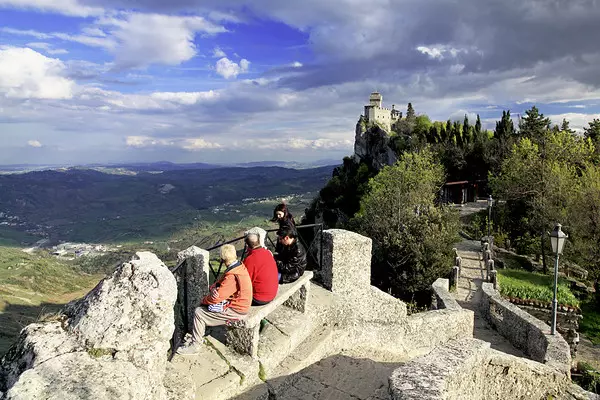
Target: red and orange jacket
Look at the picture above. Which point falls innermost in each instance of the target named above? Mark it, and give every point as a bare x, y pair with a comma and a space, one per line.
234, 286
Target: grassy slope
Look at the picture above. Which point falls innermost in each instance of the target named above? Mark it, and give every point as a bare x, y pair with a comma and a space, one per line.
528, 285
32, 285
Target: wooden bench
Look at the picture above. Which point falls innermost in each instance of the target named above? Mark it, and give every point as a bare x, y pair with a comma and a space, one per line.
243, 335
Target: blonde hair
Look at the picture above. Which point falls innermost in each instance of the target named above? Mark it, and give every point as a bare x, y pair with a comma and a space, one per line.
228, 253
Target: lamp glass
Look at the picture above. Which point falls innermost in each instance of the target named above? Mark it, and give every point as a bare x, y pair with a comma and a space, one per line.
557, 239
490, 201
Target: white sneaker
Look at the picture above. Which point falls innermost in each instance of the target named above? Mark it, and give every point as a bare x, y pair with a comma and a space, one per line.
190, 349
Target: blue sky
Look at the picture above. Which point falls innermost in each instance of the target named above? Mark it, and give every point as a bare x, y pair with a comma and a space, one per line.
85, 81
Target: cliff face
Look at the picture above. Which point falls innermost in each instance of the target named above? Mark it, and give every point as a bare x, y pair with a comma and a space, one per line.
372, 145
111, 344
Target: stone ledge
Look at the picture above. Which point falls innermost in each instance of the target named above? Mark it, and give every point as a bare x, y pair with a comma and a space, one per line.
285, 291
524, 331
444, 300
468, 368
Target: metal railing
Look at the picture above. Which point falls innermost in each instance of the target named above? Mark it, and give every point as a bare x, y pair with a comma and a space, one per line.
181, 272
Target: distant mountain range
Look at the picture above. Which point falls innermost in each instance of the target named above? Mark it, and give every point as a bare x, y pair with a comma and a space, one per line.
163, 166
96, 203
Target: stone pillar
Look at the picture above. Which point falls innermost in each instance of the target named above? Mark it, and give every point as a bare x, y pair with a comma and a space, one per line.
454, 277
197, 278
494, 279
487, 255
346, 267
262, 234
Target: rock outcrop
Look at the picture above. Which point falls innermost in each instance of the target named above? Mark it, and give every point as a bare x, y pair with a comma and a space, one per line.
111, 344
372, 145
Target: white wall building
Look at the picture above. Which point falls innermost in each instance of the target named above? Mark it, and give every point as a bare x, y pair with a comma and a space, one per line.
374, 112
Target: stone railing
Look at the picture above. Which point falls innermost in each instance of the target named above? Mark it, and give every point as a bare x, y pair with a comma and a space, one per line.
524, 331
470, 369
442, 299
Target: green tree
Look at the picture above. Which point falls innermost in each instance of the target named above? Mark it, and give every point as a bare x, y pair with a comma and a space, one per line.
538, 185
478, 125
592, 132
533, 125
410, 112
412, 236
584, 221
565, 126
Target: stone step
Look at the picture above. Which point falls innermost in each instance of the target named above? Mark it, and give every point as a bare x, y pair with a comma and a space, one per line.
314, 348
286, 329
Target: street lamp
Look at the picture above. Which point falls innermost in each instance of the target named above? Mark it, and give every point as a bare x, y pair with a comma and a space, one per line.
557, 239
490, 202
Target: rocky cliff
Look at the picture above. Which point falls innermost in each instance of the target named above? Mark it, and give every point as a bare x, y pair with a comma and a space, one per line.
372, 145
111, 344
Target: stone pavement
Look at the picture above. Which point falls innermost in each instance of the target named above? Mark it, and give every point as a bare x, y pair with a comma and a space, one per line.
468, 295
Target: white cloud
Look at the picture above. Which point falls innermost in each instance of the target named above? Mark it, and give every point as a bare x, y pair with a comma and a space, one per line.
25, 73
218, 53
57, 51
230, 69
190, 144
93, 41
34, 143
93, 31
152, 101
296, 64
143, 39
46, 47
301, 144
68, 7
577, 121
138, 40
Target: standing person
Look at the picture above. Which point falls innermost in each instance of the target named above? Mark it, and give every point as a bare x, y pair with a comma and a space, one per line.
262, 270
290, 256
229, 300
284, 217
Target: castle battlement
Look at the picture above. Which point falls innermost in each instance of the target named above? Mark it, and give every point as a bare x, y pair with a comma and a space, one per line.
375, 112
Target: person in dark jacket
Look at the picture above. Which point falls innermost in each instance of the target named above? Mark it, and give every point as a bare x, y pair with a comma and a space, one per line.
284, 217
290, 256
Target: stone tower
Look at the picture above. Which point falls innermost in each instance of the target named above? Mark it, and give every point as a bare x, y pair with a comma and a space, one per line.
376, 99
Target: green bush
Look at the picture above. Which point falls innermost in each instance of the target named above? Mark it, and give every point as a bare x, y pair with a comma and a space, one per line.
534, 286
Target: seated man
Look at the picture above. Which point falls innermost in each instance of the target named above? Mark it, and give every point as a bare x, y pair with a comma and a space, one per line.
290, 257
262, 270
229, 300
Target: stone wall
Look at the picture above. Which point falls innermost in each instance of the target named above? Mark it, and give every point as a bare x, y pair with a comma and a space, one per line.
524, 331
442, 299
372, 321
470, 369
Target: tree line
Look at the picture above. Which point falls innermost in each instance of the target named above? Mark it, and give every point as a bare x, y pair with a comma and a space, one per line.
544, 173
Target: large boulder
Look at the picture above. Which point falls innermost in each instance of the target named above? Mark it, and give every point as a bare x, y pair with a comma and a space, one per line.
112, 343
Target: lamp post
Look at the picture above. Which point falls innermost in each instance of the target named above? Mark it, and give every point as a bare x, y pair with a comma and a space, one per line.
490, 202
557, 239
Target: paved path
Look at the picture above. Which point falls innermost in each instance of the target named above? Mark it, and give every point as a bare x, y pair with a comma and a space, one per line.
468, 295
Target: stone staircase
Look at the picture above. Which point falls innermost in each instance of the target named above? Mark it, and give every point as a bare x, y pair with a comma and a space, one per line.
289, 342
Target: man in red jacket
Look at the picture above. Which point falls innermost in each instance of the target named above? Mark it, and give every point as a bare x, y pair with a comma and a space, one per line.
262, 270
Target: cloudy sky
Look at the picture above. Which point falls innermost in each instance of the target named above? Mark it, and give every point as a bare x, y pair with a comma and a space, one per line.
86, 81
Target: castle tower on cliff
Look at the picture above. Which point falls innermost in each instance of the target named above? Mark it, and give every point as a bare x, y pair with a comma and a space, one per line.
375, 112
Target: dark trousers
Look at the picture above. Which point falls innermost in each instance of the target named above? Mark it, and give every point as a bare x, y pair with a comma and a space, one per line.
259, 303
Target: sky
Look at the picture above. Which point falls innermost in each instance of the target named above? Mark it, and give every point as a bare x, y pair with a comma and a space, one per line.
228, 81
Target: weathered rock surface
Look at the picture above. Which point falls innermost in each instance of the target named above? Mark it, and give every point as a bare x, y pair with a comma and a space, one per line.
112, 343
372, 145
468, 368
